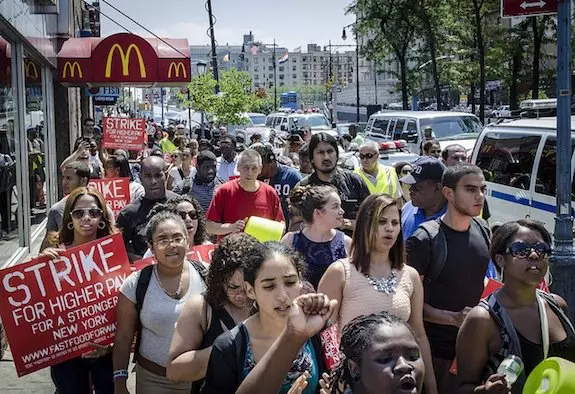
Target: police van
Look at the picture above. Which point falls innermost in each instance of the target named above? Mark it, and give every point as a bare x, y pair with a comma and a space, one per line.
519, 160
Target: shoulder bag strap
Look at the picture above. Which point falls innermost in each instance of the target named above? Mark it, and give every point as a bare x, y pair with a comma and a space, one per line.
544, 325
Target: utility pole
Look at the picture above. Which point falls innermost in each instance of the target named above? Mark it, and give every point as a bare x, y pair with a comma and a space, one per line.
214, 52
375, 79
357, 77
563, 258
275, 78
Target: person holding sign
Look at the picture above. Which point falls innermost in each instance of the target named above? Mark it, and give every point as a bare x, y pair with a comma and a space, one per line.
119, 167
150, 302
206, 316
85, 219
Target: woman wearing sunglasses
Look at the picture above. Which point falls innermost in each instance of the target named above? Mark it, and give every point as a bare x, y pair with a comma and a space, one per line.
190, 211
119, 167
402, 169
170, 283
180, 177
84, 220
510, 321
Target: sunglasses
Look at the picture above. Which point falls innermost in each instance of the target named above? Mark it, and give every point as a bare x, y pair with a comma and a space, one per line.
366, 156
523, 250
191, 214
79, 213
176, 156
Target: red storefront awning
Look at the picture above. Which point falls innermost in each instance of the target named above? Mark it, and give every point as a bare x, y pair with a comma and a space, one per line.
124, 59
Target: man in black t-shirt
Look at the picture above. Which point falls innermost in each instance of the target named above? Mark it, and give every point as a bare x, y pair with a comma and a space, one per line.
132, 220
323, 154
452, 290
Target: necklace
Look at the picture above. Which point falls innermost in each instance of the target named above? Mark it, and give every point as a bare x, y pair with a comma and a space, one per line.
178, 290
383, 285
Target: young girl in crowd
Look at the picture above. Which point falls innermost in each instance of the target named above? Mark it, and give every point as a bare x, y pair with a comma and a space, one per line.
319, 241
375, 277
190, 211
85, 219
119, 167
273, 280
204, 317
510, 320
180, 177
171, 282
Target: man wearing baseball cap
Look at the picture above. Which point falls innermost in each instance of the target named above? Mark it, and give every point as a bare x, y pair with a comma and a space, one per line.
427, 201
282, 178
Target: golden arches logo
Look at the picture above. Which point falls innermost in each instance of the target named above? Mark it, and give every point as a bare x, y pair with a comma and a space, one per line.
125, 59
177, 66
29, 66
72, 68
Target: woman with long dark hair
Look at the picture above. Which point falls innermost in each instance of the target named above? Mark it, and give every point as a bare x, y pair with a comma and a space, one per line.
204, 317
85, 219
375, 278
119, 167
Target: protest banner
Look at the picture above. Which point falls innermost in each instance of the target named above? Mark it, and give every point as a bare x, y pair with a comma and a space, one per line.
124, 133
52, 309
202, 253
116, 192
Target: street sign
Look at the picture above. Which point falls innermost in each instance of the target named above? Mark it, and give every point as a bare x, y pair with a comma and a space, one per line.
513, 8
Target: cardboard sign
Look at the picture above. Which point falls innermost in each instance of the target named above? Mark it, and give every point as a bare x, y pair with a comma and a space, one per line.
116, 192
53, 308
141, 264
330, 343
124, 133
202, 253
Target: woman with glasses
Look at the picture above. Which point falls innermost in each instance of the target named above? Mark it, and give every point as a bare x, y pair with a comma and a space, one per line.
154, 310
204, 317
119, 167
432, 148
318, 241
510, 321
85, 219
189, 209
402, 169
180, 178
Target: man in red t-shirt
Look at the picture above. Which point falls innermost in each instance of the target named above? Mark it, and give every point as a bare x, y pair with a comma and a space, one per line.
235, 201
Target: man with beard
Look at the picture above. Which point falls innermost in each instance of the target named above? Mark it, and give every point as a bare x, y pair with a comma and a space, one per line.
323, 154
228, 161
133, 218
427, 200
452, 267
205, 182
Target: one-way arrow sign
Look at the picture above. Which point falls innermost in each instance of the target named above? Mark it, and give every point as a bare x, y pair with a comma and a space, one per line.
511, 8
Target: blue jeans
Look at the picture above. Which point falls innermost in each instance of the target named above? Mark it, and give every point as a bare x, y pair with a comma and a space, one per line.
74, 376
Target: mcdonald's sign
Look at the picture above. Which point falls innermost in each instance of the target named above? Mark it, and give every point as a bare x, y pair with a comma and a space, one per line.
177, 66
30, 70
125, 59
72, 68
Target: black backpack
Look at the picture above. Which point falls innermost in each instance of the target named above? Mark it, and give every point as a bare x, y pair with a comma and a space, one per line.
438, 249
142, 288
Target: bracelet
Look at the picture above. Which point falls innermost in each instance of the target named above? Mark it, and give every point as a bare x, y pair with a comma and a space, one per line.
120, 374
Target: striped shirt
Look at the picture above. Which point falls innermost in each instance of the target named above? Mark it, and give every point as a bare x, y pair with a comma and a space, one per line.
204, 192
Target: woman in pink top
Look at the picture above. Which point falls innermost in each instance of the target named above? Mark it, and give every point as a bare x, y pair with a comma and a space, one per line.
374, 278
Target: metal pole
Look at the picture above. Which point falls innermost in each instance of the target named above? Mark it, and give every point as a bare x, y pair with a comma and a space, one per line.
375, 79
275, 79
189, 114
162, 102
563, 258
214, 52
202, 133
357, 77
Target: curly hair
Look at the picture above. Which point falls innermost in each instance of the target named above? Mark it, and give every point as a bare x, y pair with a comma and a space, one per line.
228, 257
171, 205
65, 235
263, 252
356, 337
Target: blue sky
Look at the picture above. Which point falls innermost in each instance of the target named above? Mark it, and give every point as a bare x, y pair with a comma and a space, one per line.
292, 23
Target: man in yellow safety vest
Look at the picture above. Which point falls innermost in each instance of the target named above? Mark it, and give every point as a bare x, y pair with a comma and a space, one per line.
377, 177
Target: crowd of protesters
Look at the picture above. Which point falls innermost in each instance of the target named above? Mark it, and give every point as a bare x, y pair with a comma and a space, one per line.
360, 252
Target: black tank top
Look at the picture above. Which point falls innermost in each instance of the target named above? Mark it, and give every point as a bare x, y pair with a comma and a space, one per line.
220, 319
533, 352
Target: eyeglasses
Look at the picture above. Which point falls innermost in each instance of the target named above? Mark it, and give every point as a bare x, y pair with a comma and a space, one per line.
523, 250
93, 213
191, 214
405, 172
164, 243
366, 156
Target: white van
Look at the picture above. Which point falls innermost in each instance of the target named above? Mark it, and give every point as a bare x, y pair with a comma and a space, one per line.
448, 128
518, 159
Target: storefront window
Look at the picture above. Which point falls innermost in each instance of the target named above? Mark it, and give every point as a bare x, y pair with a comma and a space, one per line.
9, 239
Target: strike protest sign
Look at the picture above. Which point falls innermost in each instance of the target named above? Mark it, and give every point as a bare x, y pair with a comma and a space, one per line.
124, 133
202, 253
53, 308
116, 192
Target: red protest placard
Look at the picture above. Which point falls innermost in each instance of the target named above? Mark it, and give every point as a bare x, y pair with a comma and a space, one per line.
124, 133
53, 308
202, 253
116, 192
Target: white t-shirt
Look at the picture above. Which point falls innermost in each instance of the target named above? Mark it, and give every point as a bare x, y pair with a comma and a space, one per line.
178, 182
160, 313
